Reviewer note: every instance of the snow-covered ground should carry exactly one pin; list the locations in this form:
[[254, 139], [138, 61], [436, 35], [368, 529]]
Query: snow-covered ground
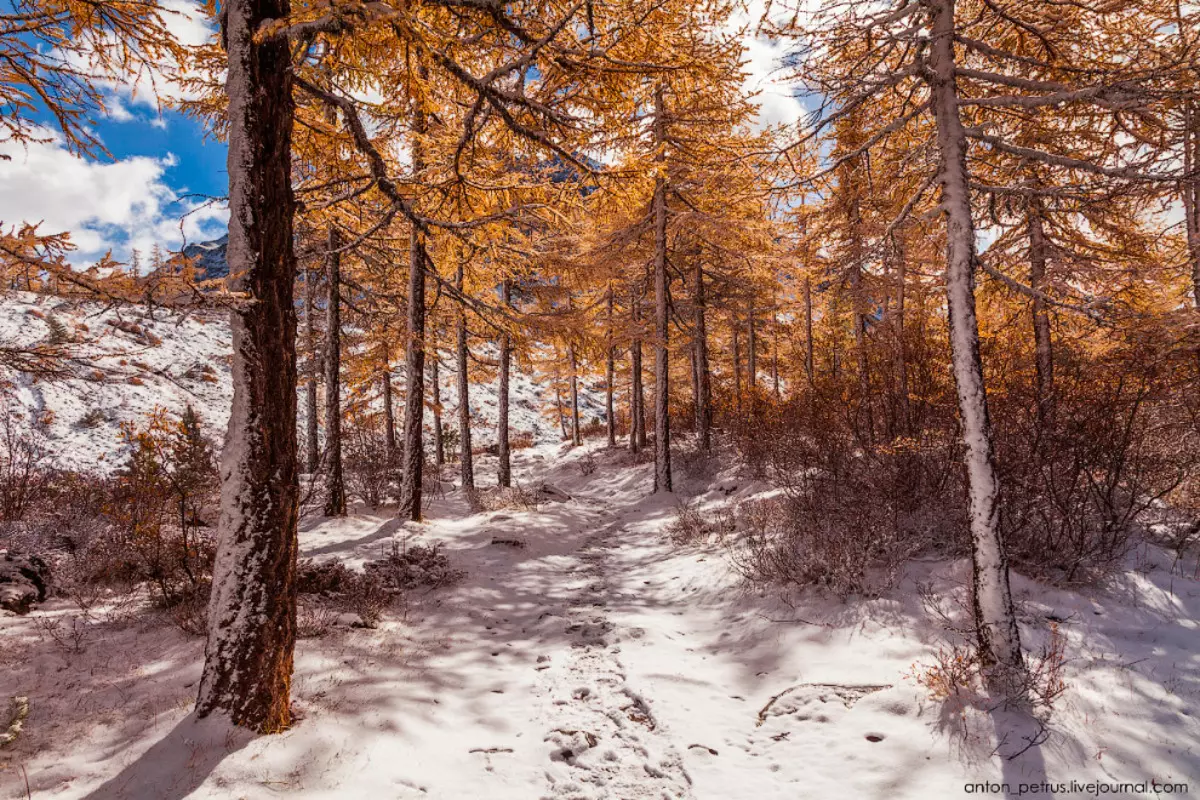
[[600, 661], [126, 363]]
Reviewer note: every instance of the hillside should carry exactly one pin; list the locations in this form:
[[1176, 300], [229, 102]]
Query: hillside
[[124, 364]]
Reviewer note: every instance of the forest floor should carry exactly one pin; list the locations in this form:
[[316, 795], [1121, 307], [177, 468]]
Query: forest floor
[[591, 658]]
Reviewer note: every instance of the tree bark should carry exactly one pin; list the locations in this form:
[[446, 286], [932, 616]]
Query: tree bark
[[610, 368], [751, 350], [995, 620], [252, 610], [704, 413], [576, 435], [637, 420], [504, 468], [435, 387], [737, 361], [414, 361], [1043, 344], [808, 335], [389, 411], [312, 434], [1191, 192], [662, 353], [335, 485], [466, 457]]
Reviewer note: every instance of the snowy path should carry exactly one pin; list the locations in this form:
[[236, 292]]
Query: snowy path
[[584, 657]]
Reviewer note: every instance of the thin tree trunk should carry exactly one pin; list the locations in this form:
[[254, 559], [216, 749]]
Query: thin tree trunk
[[435, 387], [901, 334], [414, 361], [1191, 192], [995, 621], [252, 610], [704, 412], [751, 350], [662, 353], [576, 435], [775, 347], [737, 361], [1043, 345], [610, 369], [389, 411], [637, 420], [312, 434], [504, 468], [466, 457], [335, 485], [808, 335]]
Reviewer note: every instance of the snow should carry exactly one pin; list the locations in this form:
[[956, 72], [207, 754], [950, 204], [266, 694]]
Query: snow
[[600, 661], [184, 359]]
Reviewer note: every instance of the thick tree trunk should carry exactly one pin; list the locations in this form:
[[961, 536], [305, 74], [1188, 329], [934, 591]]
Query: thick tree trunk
[[576, 435], [504, 468], [662, 353], [1043, 345], [704, 413], [610, 369], [252, 610], [995, 621], [414, 360], [466, 457], [435, 387], [312, 434], [335, 485]]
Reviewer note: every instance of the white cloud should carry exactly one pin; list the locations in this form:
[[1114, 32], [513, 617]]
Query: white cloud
[[119, 205], [765, 73]]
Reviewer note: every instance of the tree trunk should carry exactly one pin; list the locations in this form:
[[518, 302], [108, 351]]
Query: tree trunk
[[901, 312], [737, 361], [504, 468], [252, 610], [389, 411], [995, 621], [466, 457], [809, 372], [637, 420], [1043, 345], [1191, 192], [775, 347], [704, 413], [435, 381], [662, 353], [751, 350], [610, 368], [414, 360], [312, 435], [335, 486], [576, 435]]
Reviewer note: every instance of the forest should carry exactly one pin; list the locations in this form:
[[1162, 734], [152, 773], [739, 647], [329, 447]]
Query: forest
[[552, 419]]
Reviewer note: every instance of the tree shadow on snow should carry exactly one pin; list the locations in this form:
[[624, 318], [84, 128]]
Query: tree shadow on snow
[[177, 764]]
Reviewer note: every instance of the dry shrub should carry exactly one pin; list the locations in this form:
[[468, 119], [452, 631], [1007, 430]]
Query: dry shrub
[[691, 524], [854, 509], [1075, 490], [372, 471], [504, 498], [956, 677], [587, 465], [409, 567]]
